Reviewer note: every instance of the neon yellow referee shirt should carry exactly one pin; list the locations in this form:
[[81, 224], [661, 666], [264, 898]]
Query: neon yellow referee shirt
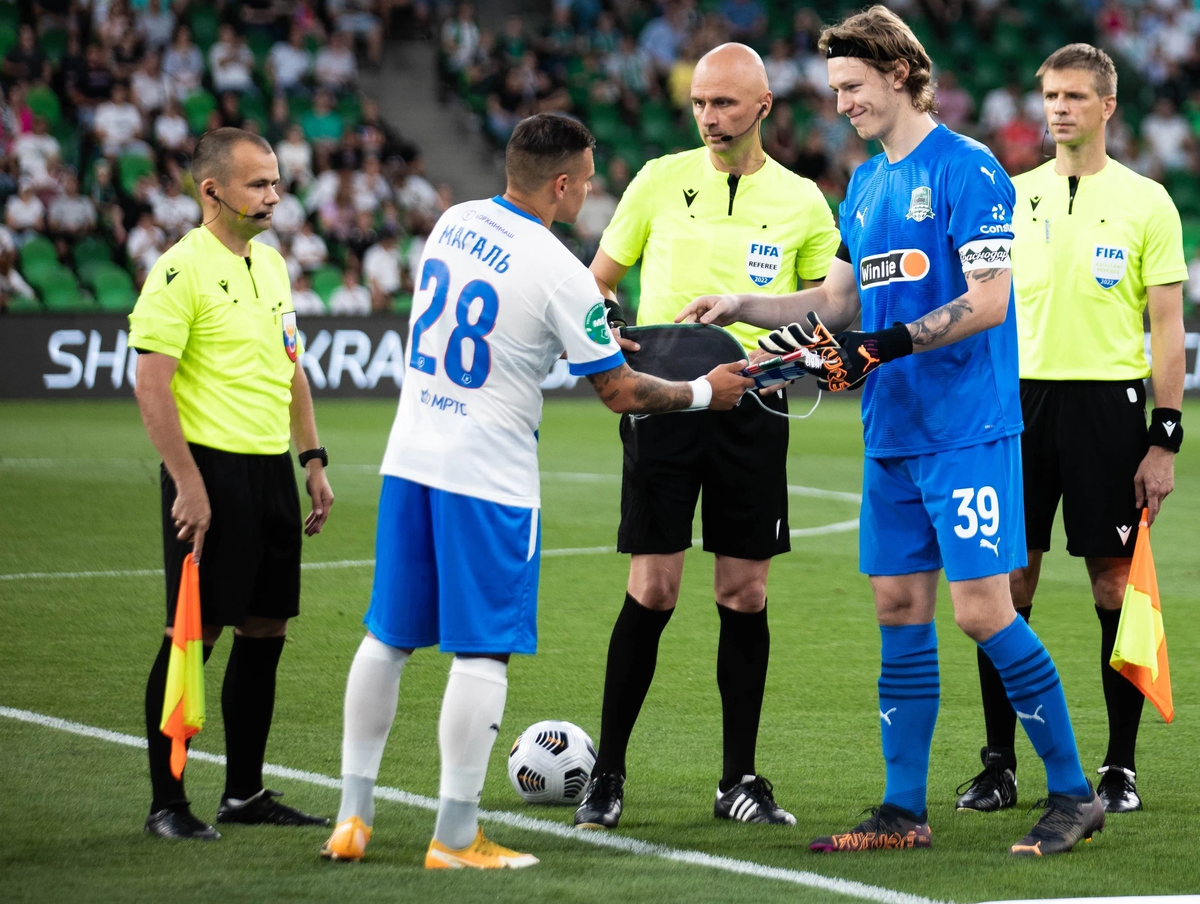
[[229, 321], [1083, 254], [700, 233]]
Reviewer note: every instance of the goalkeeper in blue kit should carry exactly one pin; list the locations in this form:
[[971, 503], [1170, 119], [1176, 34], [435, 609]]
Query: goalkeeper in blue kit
[[926, 234]]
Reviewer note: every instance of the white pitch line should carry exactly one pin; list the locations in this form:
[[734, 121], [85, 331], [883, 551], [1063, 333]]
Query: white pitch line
[[836, 528], [847, 887]]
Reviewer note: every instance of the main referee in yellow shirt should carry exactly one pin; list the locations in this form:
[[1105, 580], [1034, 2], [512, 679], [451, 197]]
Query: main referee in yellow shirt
[[1096, 246], [722, 218], [220, 389]]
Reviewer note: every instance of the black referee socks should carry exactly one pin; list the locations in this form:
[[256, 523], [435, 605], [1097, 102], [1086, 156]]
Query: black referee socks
[[168, 790], [247, 703], [1123, 701], [632, 657], [742, 655], [998, 714]]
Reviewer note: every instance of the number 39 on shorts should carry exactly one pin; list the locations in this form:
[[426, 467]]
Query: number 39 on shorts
[[979, 511]]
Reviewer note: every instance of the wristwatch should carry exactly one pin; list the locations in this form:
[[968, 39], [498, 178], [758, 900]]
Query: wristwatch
[[319, 452]]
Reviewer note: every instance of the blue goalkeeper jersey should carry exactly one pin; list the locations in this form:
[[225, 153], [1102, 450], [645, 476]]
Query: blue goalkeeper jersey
[[912, 229]]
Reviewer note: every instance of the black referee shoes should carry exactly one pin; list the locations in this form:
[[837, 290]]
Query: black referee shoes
[[263, 810]]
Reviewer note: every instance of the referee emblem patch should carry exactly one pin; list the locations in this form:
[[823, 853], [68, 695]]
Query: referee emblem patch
[[762, 262], [289, 334], [1108, 265]]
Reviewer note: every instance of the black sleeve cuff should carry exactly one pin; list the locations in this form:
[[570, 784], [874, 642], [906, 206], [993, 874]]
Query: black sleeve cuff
[[843, 253], [1166, 428]]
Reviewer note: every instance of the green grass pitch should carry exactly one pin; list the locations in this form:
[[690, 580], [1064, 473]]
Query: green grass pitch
[[79, 492]]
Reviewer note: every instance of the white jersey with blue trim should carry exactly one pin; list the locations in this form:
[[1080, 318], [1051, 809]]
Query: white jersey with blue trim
[[497, 300]]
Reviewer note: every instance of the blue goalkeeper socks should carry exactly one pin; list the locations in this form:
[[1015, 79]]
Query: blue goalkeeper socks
[[1035, 691], [909, 692]]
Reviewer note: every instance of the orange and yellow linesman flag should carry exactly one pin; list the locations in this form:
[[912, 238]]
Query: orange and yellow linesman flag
[[183, 705], [1140, 653]]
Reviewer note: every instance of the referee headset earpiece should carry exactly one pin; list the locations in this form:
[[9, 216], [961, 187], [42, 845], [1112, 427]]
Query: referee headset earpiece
[[728, 138], [212, 193]]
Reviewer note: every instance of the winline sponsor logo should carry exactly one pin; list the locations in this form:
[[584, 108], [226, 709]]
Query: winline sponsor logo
[[905, 265]]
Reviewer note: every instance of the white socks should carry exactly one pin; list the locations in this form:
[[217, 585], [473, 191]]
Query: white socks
[[371, 693], [471, 712]]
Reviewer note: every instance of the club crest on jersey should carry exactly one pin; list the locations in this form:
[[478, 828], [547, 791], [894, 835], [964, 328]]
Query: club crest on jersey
[[921, 206], [1108, 265], [289, 334], [595, 324], [905, 265], [762, 262]]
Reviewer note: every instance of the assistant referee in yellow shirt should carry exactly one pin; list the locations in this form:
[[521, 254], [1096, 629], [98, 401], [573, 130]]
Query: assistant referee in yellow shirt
[[1096, 245], [220, 389], [722, 218]]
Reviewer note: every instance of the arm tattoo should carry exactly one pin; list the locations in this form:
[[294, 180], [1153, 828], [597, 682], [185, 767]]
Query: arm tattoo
[[649, 394], [985, 275], [937, 323]]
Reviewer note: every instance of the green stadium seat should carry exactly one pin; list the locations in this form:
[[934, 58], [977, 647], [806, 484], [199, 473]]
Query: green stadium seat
[[259, 43], [53, 43], [658, 125], [91, 250], [196, 108], [298, 106], [132, 167], [605, 123], [44, 102], [1184, 191], [37, 271], [18, 304], [113, 287], [1191, 236], [325, 281], [350, 108], [205, 22], [10, 15], [8, 37], [60, 292], [38, 249], [402, 303]]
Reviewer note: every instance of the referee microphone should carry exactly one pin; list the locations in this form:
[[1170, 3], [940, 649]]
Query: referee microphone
[[212, 193], [729, 138]]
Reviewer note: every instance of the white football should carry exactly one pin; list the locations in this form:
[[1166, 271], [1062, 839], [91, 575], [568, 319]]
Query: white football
[[550, 763]]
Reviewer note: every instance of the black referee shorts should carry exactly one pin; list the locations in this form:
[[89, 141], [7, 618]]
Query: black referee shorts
[[250, 563], [739, 459], [1083, 441]]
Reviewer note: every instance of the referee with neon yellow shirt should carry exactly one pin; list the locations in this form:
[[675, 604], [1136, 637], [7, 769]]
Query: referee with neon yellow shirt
[[724, 218], [220, 389], [1096, 245]]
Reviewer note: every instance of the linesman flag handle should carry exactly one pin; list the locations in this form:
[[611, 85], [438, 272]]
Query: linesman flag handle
[[183, 705], [1140, 652]]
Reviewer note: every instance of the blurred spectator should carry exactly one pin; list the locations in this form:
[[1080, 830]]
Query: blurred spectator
[[37, 153], [183, 64], [1000, 107], [295, 158], [145, 246], [71, 215], [783, 74], [415, 192], [156, 24], [127, 55], [618, 176], [148, 85], [289, 213], [24, 212], [174, 212], [361, 235], [322, 124], [1167, 135], [231, 62], [106, 201], [309, 248], [955, 105], [350, 298], [24, 62], [812, 162], [598, 208], [745, 19], [460, 38], [358, 18], [336, 68], [779, 135], [631, 66], [307, 302], [835, 128], [11, 282], [337, 213], [665, 37], [118, 124], [605, 36], [1193, 280], [371, 187], [381, 268], [290, 63], [171, 129]]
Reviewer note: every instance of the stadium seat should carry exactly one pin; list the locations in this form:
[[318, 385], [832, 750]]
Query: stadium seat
[[605, 123], [350, 108], [38, 249], [8, 37], [60, 292], [658, 125], [91, 250], [53, 43], [18, 304], [196, 108], [259, 43], [325, 281], [132, 167], [10, 15], [1191, 236], [113, 287], [44, 102], [402, 303], [205, 22]]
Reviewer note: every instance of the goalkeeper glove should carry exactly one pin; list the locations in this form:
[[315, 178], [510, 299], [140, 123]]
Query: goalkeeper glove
[[845, 360]]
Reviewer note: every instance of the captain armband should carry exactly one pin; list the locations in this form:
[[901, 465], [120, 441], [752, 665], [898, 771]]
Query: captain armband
[[986, 254]]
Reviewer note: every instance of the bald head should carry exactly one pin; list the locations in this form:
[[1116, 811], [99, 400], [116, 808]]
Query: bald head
[[730, 96]]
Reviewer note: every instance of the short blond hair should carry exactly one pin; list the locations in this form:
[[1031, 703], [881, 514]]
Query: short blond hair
[[1089, 59], [881, 39]]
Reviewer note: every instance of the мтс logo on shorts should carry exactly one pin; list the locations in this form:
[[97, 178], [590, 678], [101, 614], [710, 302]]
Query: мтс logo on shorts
[[905, 265]]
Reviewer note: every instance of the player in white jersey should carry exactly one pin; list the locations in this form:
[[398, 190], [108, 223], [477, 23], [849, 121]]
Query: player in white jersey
[[498, 300]]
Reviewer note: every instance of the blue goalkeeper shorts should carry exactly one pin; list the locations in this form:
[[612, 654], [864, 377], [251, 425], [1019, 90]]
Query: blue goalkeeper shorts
[[962, 510], [455, 571]]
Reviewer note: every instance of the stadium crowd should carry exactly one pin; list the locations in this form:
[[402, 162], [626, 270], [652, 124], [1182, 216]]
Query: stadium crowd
[[624, 67], [102, 102]]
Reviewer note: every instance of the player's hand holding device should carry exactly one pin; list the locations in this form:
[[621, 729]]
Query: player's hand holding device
[[843, 361], [728, 385]]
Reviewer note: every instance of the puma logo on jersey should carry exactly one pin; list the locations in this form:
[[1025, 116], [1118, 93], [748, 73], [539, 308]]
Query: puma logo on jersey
[[994, 547], [1169, 426], [689, 195], [991, 174], [886, 715], [1034, 202], [1032, 716], [860, 217], [1123, 531]]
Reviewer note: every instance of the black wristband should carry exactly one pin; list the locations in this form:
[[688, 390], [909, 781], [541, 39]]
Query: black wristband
[[319, 452], [614, 315], [894, 342], [1166, 428]]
